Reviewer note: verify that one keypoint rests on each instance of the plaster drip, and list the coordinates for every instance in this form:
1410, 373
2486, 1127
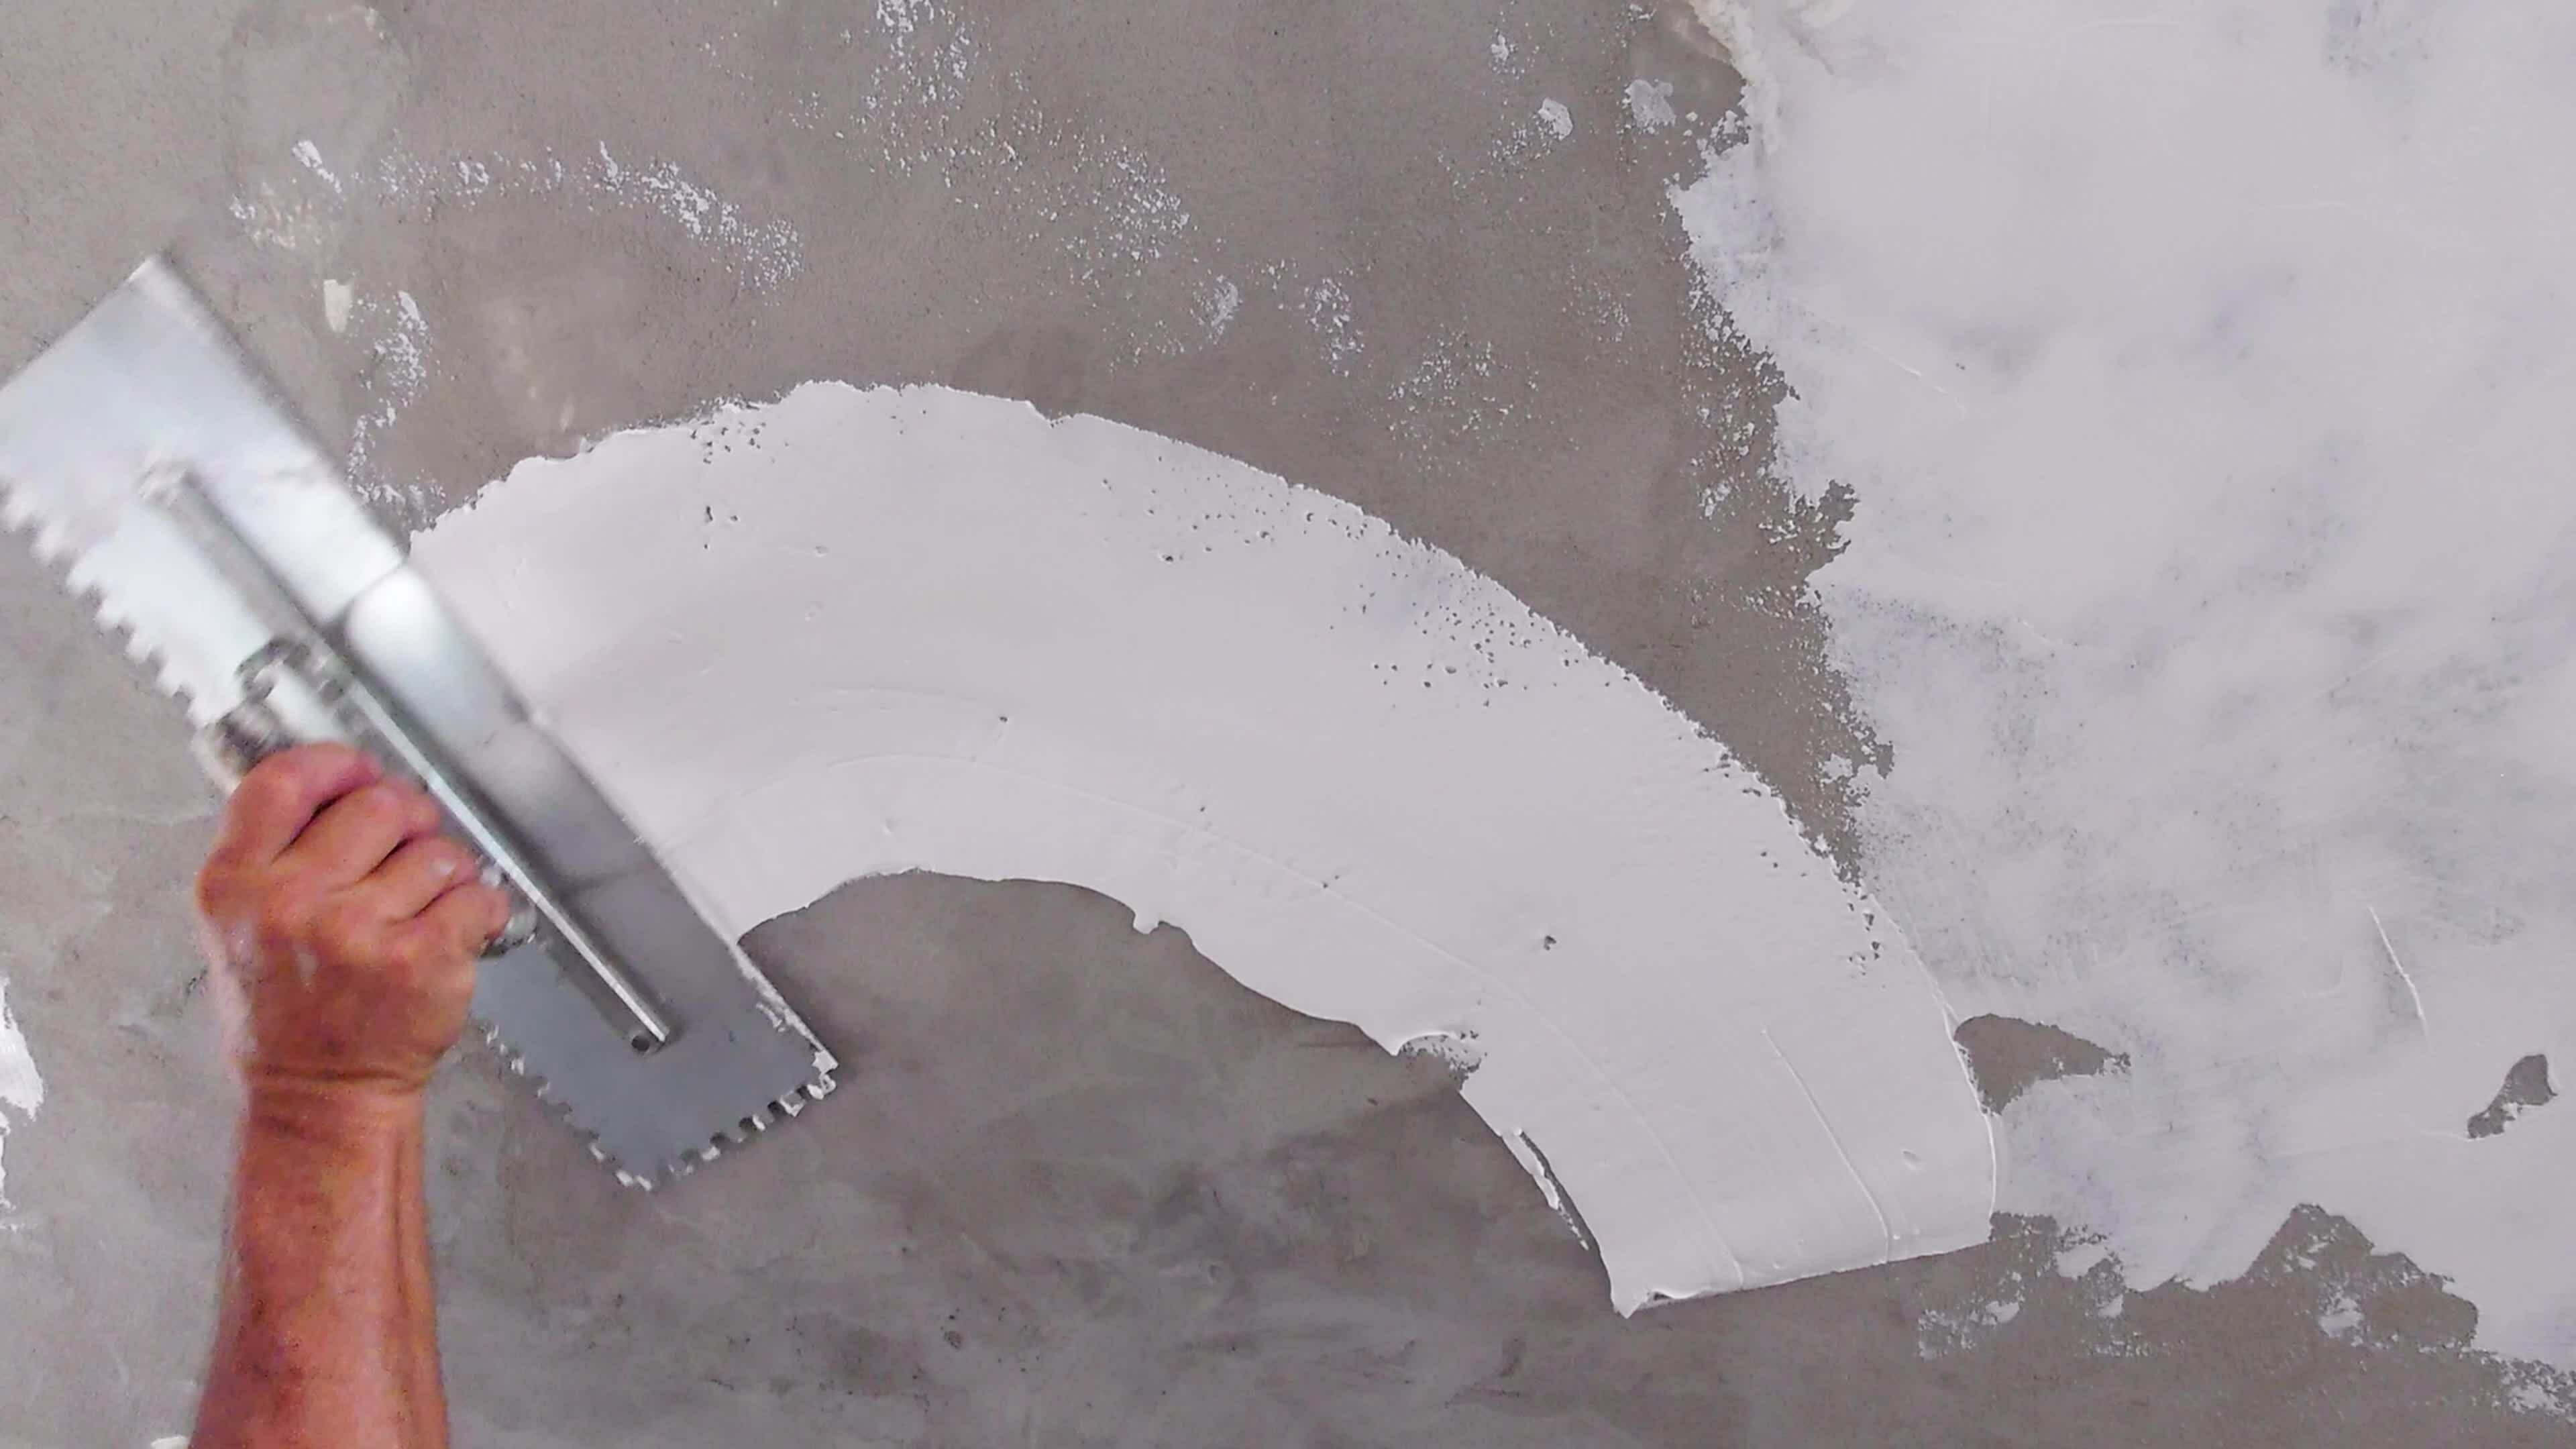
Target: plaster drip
858, 633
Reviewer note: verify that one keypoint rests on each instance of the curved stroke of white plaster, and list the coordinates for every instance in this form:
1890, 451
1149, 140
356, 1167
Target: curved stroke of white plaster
857, 633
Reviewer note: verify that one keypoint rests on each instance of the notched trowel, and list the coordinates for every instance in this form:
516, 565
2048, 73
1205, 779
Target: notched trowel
148, 457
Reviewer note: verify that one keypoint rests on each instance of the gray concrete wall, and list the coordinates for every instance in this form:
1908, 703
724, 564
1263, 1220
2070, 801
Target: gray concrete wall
1078, 1187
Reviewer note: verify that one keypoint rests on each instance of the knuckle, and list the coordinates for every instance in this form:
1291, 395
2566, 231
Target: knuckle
291, 777
269, 788
426, 957
484, 911
317, 760
404, 796
341, 935
372, 811
214, 892
403, 953
410, 808
289, 913
382, 802
444, 857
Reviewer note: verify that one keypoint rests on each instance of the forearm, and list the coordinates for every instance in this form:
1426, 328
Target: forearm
326, 1334
424, 1391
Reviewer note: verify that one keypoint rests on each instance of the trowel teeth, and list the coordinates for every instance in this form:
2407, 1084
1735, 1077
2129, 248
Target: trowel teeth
152, 511
21, 515
45, 538
140, 647
167, 679
53, 544
545, 1091
52, 547
683, 1159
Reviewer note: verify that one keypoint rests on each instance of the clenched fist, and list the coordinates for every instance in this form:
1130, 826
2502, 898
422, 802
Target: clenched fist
342, 927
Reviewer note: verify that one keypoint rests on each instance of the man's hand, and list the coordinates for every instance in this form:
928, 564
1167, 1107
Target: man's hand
342, 929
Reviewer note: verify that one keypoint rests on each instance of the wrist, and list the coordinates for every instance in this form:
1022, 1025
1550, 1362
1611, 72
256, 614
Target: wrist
330, 1112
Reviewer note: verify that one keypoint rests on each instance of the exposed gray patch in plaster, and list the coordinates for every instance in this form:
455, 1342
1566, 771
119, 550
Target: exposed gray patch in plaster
2526, 1085
1456, 1054
2321, 1299
2007, 1055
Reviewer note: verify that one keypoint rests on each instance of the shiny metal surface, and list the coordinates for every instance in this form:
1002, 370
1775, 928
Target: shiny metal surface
144, 455
437, 659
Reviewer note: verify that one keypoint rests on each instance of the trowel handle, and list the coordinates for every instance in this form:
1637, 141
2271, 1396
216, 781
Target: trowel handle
233, 746
251, 731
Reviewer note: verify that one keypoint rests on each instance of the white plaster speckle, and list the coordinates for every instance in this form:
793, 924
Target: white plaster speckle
1650, 104
1942, 1330
933, 631
1328, 309
311, 155
21, 1089
397, 336
1220, 304
305, 209
1559, 120
336, 296
286, 220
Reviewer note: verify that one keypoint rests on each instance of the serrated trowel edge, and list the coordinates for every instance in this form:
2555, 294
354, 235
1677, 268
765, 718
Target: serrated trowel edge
150, 379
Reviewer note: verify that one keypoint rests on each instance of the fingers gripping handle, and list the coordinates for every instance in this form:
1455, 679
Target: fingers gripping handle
285, 680
299, 688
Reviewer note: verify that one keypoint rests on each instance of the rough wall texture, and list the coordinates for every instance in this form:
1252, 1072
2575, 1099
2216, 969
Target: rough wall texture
1078, 1188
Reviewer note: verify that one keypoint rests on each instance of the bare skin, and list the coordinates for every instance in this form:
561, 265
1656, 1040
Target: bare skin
343, 930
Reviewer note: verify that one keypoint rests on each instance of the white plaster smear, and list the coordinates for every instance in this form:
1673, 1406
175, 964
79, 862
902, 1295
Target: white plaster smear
2206, 375
856, 633
21, 1089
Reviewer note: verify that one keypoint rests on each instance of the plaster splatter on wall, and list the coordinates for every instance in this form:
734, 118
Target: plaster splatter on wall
857, 633
308, 206
304, 208
21, 1090
396, 335
1650, 105
2201, 373
918, 95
